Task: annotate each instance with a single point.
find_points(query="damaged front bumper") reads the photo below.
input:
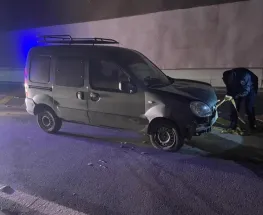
(196, 128)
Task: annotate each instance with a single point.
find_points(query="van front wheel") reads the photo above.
(166, 137)
(49, 122)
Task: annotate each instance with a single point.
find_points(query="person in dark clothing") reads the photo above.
(242, 86)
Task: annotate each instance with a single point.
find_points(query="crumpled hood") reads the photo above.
(194, 90)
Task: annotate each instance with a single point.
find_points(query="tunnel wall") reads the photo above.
(32, 14)
(200, 39)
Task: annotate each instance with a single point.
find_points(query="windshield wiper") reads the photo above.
(155, 82)
(157, 85)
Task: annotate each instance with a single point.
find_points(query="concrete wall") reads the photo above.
(11, 74)
(28, 14)
(218, 36)
(212, 76)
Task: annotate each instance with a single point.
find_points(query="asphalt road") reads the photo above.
(87, 170)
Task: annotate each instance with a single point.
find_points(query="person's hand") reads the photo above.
(228, 98)
(238, 96)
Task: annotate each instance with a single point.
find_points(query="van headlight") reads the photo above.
(200, 109)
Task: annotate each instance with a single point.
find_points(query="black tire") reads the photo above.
(48, 121)
(166, 136)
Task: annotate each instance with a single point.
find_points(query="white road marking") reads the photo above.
(38, 204)
(5, 99)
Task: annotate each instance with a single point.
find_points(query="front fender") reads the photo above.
(158, 111)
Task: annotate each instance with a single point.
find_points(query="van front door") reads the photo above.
(107, 104)
(69, 91)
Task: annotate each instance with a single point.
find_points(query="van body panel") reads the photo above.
(118, 110)
(66, 102)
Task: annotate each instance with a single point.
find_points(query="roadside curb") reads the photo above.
(15, 107)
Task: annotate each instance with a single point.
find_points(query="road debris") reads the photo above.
(123, 144)
(102, 161)
(237, 131)
(103, 166)
(144, 153)
(90, 164)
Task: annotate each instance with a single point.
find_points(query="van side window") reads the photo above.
(40, 69)
(106, 75)
(70, 72)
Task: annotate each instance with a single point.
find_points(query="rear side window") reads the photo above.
(40, 69)
(70, 72)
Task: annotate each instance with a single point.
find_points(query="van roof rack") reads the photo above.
(67, 39)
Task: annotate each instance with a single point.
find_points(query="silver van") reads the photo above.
(92, 81)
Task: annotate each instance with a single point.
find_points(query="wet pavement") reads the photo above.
(102, 171)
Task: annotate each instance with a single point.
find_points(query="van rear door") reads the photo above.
(37, 76)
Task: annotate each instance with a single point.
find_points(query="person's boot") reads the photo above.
(253, 128)
(232, 126)
(250, 130)
(228, 130)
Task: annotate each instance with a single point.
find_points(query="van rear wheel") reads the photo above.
(48, 121)
(166, 136)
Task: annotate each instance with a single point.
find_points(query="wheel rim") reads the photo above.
(47, 121)
(166, 137)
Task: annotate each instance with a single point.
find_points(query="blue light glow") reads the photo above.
(26, 42)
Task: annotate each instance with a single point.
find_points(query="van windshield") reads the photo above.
(143, 69)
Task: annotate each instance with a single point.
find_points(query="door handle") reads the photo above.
(94, 96)
(80, 95)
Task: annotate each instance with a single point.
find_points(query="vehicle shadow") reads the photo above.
(231, 146)
(234, 146)
(256, 169)
(244, 151)
(140, 140)
(215, 144)
(129, 140)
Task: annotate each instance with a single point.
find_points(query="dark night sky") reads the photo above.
(22, 14)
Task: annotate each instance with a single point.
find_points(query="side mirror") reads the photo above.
(127, 87)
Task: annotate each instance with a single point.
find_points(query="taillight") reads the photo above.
(26, 74)
(26, 89)
(25, 82)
